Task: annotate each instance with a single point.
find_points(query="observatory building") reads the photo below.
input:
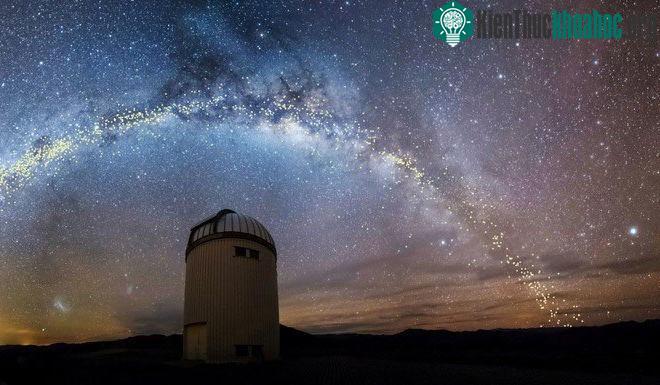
(231, 312)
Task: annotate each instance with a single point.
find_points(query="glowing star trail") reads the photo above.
(310, 117)
(407, 184)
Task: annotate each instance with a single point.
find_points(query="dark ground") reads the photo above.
(623, 353)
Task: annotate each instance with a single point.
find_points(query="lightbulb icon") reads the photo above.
(453, 23)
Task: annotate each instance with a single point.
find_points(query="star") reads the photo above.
(384, 163)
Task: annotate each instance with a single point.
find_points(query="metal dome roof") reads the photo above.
(229, 224)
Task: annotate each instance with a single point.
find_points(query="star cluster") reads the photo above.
(499, 183)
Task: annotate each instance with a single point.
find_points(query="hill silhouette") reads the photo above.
(622, 353)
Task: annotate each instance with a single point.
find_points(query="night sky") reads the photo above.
(499, 183)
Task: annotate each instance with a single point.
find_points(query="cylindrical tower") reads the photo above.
(231, 312)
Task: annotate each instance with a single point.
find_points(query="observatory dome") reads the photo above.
(229, 224)
(231, 310)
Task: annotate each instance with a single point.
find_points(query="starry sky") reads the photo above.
(496, 184)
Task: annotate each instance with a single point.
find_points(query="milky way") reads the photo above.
(508, 183)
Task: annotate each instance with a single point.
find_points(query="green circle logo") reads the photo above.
(452, 23)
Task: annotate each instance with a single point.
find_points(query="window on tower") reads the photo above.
(253, 351)
(254, 254)
(242, 350)
(240, 251)
(244, 252)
